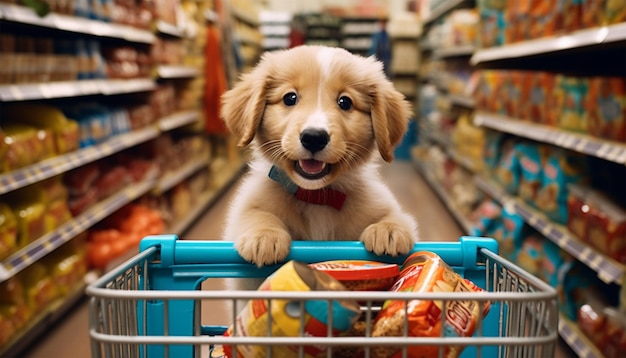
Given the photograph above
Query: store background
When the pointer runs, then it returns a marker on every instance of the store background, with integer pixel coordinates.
(109, 131)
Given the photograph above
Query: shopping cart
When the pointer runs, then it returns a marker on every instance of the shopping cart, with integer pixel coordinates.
(150, 305)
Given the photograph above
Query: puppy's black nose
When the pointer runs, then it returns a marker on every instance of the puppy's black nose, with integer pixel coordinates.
(314, 139)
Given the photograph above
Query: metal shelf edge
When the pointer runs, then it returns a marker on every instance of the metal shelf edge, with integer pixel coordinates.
(576, 39)
(597, 147)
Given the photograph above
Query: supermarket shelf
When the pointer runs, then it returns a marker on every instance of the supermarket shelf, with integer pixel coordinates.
(54, 166)
(597, 147)
(446, 6)
(577, 39)
(170, 180)
(170, 72)
(457, 51)
(443, 195)
(608, 270)
(42, 322)
(461, 100)
(52, 240)
(25, 15)
(576, 339)
(178, 119)
(66, 89)
(166, 28)
(233, 173)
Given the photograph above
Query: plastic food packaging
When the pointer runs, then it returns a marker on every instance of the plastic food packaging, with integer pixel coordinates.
(606, 227)
(293, 276)
(606, 108)
(8, 231)
(426, 272)
(24, 146)
(360, 275)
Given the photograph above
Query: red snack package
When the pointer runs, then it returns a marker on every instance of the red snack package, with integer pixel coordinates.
(424, 272)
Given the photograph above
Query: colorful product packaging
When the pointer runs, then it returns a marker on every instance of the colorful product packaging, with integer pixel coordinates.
(606, 227)
(508, 171)
(531, 160)
(606, 108)
(572, 103)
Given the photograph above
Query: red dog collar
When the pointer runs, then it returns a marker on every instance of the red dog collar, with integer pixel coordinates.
(323, 196)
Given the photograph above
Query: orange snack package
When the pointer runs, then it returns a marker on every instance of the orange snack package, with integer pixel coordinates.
(425, 272)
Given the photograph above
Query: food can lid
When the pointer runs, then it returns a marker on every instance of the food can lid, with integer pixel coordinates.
(344, 270)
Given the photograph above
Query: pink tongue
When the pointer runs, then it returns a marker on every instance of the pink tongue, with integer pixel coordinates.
(312, 166)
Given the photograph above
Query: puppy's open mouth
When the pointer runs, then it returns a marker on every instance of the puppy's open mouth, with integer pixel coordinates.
(312, 169)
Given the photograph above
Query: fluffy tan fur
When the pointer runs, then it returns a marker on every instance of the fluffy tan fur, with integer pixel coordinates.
(264, 218)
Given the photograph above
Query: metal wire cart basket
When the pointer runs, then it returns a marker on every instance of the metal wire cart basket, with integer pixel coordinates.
(150, 305)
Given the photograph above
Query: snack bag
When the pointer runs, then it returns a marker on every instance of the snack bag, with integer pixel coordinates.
(531, 157)
(578, 210)
(560, 169)
(530, 255)
(606, 227)
(360, 275)
(615, 11)
(539, 88)
(491, 149)
(492, 22)
(508, 171)
(544, 17)
(574, 91)
(512, 234)
(592, 13)
(426, 272)
(292, 276)
(606, 108)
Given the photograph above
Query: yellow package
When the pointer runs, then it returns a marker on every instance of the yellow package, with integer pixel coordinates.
(285, 314)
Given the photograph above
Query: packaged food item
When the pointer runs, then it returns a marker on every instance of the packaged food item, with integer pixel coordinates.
(545, 19)
(616, 333)
(293, 276)
(492, 22)
(572, 15)
(484, 217)
(531, 158)
(39, 287)
(606, 227)
(517, 17)
(24, 146)
(615, 11)
(67, 266)
(426, 272)
(606, 108)
(530, 255)
(540, 99)
(491, 148)
(560, 169)
(8, 231)
(64, 130)
(507, 173)
(512, 236)
(553, 259)
(592, 13)
(79, 180)
(573, 115)
(29, 210)
(575, 283)
(360, 275)
(578, 210)
(112, 180)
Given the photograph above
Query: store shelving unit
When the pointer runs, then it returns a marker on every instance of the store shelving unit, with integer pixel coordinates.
(80, 90)
(443, 7)
(608, 270)
(588, 52)
(593, 146)
(60, 164)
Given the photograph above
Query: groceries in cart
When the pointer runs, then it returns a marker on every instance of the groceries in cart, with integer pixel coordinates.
(421, 272)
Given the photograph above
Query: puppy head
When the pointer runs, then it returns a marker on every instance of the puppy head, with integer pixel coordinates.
(316, 112)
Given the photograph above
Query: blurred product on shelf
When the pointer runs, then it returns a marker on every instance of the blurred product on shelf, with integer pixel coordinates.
(505, 22)
(120, 232)
(27, 295)
(591, 105)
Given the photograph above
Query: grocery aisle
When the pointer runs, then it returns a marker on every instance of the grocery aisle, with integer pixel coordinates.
(408, 186)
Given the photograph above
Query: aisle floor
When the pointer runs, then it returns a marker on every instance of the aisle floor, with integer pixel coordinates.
(69, 338)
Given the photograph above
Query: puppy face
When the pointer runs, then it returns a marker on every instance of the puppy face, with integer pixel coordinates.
(316, 112)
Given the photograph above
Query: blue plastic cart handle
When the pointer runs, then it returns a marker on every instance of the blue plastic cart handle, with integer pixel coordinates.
(463, 253)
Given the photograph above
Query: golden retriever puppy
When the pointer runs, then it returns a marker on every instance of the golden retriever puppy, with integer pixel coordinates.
(316, 117)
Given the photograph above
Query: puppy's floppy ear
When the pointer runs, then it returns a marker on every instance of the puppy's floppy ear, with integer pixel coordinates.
(243, 105)
(390, 116)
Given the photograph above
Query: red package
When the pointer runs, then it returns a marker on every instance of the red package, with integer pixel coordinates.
(426, 272)
(606, 108)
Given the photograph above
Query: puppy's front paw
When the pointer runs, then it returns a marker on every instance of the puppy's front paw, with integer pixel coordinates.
(264, 247)
(387, 238)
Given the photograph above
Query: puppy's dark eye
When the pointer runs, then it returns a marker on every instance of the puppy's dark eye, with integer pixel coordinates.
(290, 99)
(344, 103)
